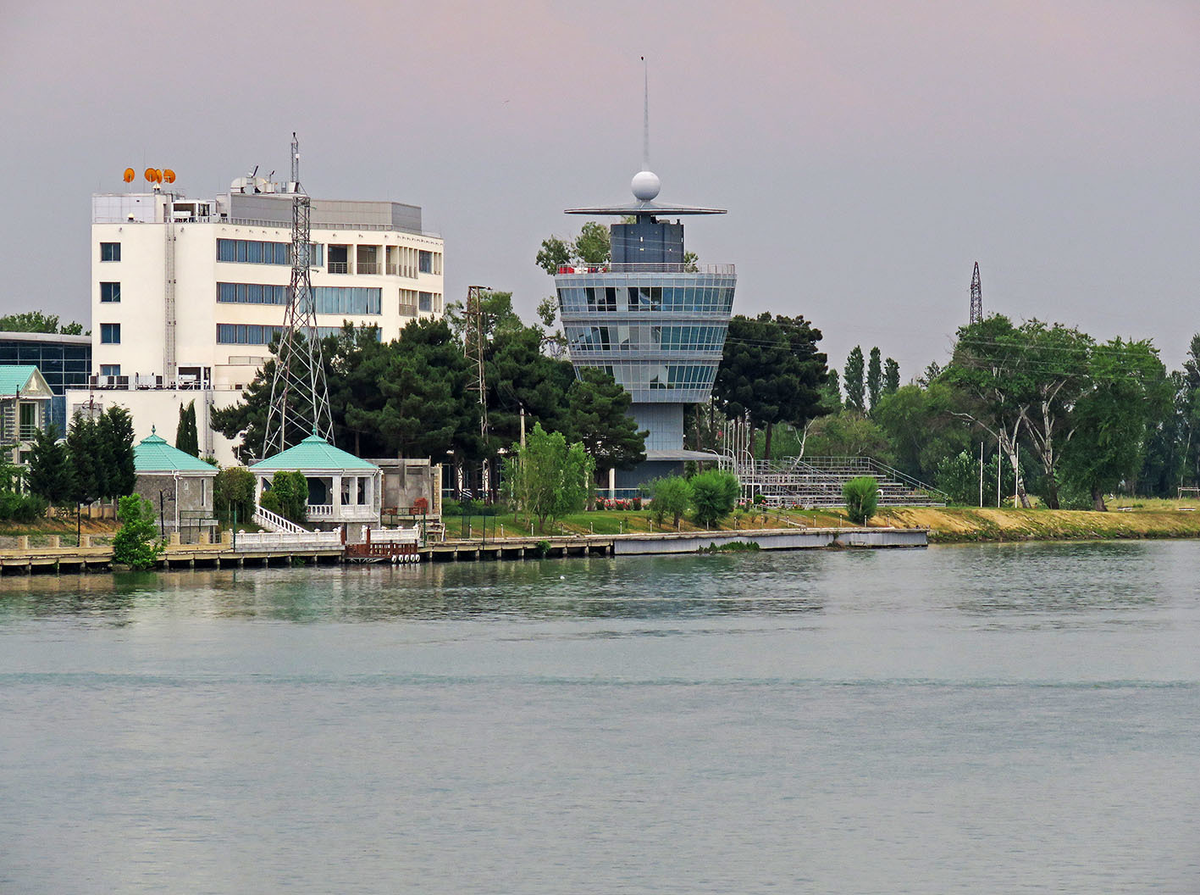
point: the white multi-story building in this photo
(187, 294)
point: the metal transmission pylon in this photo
(475, 347)
(299, 395)
(976, 296)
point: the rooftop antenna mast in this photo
(299, 395)
(976, 296)
(645, 115)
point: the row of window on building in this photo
(637, 377)
(645, 338)
(697, 299)
(399, 261)
(329, 299)
(261, 334)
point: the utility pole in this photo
(299, 394)
(976, 296)
(981, 475)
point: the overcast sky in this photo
(868, 152)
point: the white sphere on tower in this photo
(645, 185)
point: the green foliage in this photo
(714, 494)
(731, 547)
(597, 416)
(958, 477)
(17, 507)
(548, 478)
(671, 496)
(921, 428)
(847, 434)
(233, 489)
(592, 245)
(553, 254)
(134, 544)
(874, 379)
(852, 381)
(37, 322)
(187, 438)
(891, 376)
(114, 431)
(88, 458)
(287, 496)
(1128, 388)
(771, 369)
(51, 476)
(862, 497)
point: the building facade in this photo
(64, 361)
(24, 409)
(653, 319)
(187, 294)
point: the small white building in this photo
(187, 294)
(343, 490)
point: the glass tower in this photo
(651, 319)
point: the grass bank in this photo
(952, 525)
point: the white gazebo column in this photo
(612, 484)
(337, 495)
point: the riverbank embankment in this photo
(955, 525)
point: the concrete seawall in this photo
(770, 539)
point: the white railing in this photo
(284, 540)
(394, 535)
(275, 523)
(320, 511)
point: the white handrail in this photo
(274, 522)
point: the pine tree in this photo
(852, 381)
(50, 474)
(115, 431)
(83, 449)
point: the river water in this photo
(995, 718)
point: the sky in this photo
(868, 152)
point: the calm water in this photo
(960, 719)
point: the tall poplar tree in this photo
(852, 381)
(874, 378)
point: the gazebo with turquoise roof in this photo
(179, 485)
(342, 488)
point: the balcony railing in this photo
(371, 267)
(28, 432)
(339, 267)
(584, 269)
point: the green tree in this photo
(921, 427)
(831, 392)
(1128, 388)
(287, 496)
(862, 497)
(597, 416)
(233, 489)
(714, 494)
(874, 379)
(852, 381)
(35, 322)
(135, 544)
(553, 254)
(670, 496)
(187, 438)
(891, 376)
(771, 369)
(51, 476)
(847, 434)
(88, 460)
(592, 245)
(548, 478)
(114, 432)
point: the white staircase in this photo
(274, 522)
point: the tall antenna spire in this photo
(976, 296)
(645, 115)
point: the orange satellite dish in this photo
(149, 175)
(157, 175)
(129, 175)
(168, 175)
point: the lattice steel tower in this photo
(299, 395)
(976, 296)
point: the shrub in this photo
(234, 489)
(288, 496)
(671, 497)
(714, 494)
(134, 544)
(16, 507)
(861, 496)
